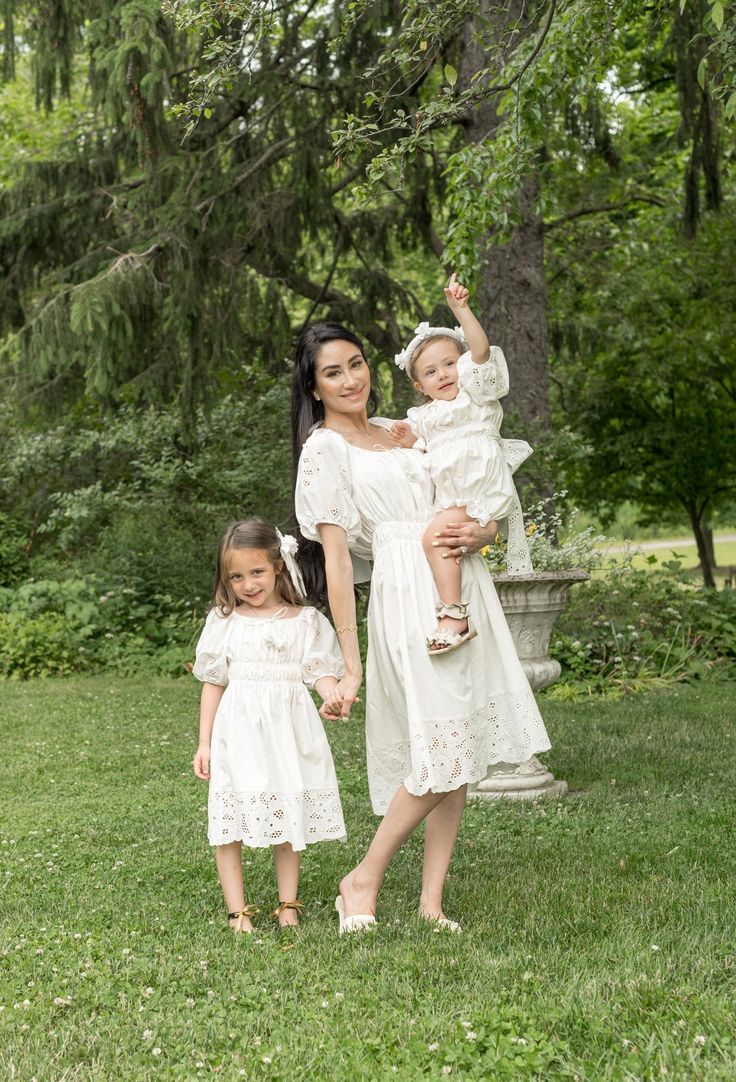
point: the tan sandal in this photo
(240, 916)
(282, 906)
(445, 641)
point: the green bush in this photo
(633, 628)
(86, 624)
(43, 645)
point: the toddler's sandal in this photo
(441, 641)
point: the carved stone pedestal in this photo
(531, 603)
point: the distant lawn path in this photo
(599, 932)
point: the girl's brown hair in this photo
(252, 533)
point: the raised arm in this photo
(475, 336)
(341, 596)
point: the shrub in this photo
(631, 629)
(83, 623)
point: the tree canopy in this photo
(183, 186)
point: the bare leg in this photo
(230, 870)
(359, 888)
(287, 880)
(447, 573)
(440, 834)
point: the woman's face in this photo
(342, 378)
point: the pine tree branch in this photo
(383, 339)
(603, 208)
(273, 151)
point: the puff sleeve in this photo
(415, 417)
(211, 661)
(322, 655)
(485, 382)
(323, 487)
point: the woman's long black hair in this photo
(306, 412)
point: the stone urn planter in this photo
(531, 603)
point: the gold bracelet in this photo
(348, 627)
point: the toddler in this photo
(459, 427)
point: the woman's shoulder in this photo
(322, 437)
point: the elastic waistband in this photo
(388, 532)
(265, 672)
(462, 433)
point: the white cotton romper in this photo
(470, 464)
(432, 723)
(272, 778)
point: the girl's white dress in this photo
(432, 723)
(272, 778)
(470, 464)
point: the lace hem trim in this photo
(442, 755)
(262, 819)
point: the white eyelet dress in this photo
(272, 778)
(470, 464)
(432, 723)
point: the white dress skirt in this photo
(432, 723)
(272, 778)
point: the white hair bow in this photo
(289, 548)
(421, 334)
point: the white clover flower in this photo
(266, 1059)
(433, 1046)
(699, 1039)
(189, 1002)
(466, 1025)
(470, 1036)
(147, 1034)
(148, 992)
(156, 1051)
(325, 1003)
(519, 1040)
(447, 1069)
(655, 947)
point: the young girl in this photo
(471, 466)
(262, 745)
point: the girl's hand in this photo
(465, 538)
(331, 704)
(347, 691)
(201, 762)
(401, 433)
(456, 295)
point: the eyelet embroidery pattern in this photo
(264, 819)
(443, 755)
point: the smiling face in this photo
(435, 369)
(252, 577)
(342, 378)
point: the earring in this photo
(317, 398)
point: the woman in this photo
(433, 724)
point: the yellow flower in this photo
(531, 528)
(484, 551)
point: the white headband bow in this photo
(289, 549)
(421, 334)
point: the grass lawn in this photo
(599, 932)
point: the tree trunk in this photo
(512, 294)
(704, 540)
